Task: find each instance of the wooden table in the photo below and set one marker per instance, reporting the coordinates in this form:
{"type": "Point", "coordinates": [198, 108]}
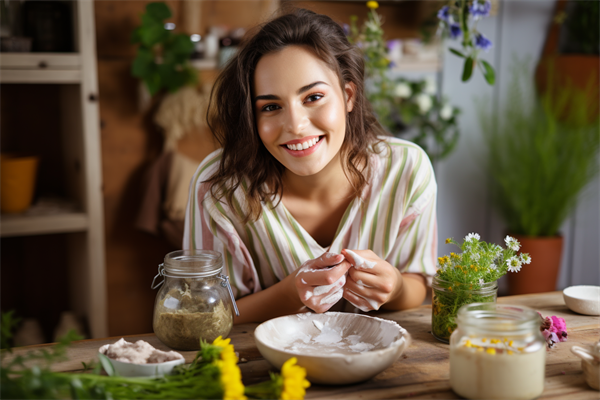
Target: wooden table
{"type": "Point", "coordinates": [422, 372]}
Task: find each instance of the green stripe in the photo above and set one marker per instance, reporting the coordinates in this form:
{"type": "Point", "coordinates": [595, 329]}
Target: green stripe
{"type": "Point", "coordinates": [252, 246]}
{"type": "Point", "coordinates": [299, 235]}
{"type": "Point", "coordinates": [193, 200]}
{"type": "Point", "coordinates": [390, 213]}
{"type": "Point", "coordinates": [344, 219]}
{"type": "Point", "coordinates": [229, 263]}
{"type": "Point", "coordinates": [374, 226]}
{"type": "Point", "coordinates": [403, 242]}
{"type": "Point", "coordinates": [273, 242]}
{"type": "Point", "coordinates": [423, 268]}
{"type": "Point", "coordinates": [364, 207]}
{"type": "Point", "coordinates": [411, 182]}
{"type": "Point", "coordinates": [421, 189]}
{"type": "Point", "coordinates": [287, 238]}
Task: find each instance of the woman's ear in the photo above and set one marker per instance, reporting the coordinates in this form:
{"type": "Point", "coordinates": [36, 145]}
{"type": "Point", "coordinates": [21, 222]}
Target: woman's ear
{"type": "Point", "coordinates": [350, 91]}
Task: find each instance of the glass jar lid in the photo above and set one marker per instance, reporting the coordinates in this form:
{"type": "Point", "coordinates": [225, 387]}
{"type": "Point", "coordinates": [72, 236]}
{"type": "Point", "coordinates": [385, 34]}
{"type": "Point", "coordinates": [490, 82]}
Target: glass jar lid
{"type": "Point", "coordinates": [497, 318]}
{"type": "Point", "coordinates": [192, 263]}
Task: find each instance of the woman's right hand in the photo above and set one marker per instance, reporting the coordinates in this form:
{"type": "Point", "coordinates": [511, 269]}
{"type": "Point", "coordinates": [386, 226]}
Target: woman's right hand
{"type": "Point", "coordinates": [320, 282]}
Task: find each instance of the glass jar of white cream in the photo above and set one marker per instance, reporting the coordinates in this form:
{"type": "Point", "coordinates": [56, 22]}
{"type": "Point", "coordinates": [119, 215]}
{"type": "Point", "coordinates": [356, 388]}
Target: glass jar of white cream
{"type": "Point", "coordinates": [195, 302]}
{"type": "Point", "coordinates": [497, 352]}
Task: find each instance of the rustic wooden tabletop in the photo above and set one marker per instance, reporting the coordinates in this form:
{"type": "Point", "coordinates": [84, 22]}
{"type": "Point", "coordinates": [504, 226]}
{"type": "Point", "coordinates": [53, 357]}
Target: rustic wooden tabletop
{"type": "Point", "coordinates": [423, 370]}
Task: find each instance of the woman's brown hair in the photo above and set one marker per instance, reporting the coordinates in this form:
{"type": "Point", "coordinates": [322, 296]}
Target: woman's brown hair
{"type": "Point", "coordinates": [231, 110]}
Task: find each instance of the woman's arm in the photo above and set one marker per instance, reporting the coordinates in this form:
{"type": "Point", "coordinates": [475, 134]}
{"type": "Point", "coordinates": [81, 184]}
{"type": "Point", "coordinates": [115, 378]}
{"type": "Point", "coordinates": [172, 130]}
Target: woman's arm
{"type": "Point", "coordinates": [412, 292]}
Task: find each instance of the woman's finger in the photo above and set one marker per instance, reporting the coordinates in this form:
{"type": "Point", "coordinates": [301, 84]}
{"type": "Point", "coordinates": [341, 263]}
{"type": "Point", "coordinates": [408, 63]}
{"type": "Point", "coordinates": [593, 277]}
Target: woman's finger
{"type": "Point", "coordinates": [360, 261]}
{"type": "Point", "coordinates": [324, 275]}
{"type": "Point", "coordinates": [360, 302]}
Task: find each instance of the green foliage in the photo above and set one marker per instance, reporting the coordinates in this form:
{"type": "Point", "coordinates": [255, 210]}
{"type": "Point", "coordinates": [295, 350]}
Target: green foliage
{"type": "Point", "coordinates": [162, 59]}
{"type": "Point", "coordinates": [408, 116]}
{"type": "Point", "coordinates": [541, 153]}
{"type": "Point", "coordinates": [583, 27]}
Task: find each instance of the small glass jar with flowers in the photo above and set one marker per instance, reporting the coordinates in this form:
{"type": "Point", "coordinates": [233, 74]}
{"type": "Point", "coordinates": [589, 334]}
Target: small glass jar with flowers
{"type": "Point", "coordinates": [470, 277]}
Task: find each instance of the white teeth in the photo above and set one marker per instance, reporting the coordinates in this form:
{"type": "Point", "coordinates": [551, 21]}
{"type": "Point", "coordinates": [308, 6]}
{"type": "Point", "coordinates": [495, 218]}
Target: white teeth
{"type": "Point", "coordinates": [303, 146]}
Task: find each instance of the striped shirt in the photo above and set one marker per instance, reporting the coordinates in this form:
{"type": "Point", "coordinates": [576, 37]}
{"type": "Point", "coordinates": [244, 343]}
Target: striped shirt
{"type": "Point", "coordinates": [394, 217]}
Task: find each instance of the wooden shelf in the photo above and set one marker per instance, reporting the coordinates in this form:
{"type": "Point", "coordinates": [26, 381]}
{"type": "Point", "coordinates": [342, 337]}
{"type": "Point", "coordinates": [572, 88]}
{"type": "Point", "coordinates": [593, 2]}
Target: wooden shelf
{"type": "Point", "coordinates": [40, 68]}
{"type": "Point", "coordinates": [23, 224]}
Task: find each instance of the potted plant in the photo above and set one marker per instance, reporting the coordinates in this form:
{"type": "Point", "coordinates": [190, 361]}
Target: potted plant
{"type": "Point", "coordinates": [539, 158]}
{"type": "Point", "coordinates": [470, 277]}
{"type": "Point", "coordinates": [572, 50]}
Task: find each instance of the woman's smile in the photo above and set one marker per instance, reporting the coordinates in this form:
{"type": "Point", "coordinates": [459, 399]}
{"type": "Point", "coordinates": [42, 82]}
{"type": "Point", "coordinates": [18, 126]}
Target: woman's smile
{"type": "Point", "coordinates": [303, 147]}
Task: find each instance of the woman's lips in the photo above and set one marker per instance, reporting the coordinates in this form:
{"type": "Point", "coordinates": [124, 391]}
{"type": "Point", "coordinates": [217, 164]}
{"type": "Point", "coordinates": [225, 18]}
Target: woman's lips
{"type": "Point", "coordinates": [305, 152]}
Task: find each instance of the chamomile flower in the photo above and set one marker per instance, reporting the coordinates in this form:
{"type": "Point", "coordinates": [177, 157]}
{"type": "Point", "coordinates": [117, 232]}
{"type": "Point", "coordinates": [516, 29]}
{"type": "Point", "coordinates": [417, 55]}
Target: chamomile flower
{"type": "Point", "coordinates": [512, 243]}
{"type": "Point", "coordinates": [481, 281]}
{"type": "Point", "coordinates": [493, 266]}
{"type": "Point", "coordinates": [525, 258]}
{"type": "Point", "coordinates": [469, 238]}
{"type": "Point", "coordinates": [514, 264]}
{"type": "Point", "coordinates": [475, 256]}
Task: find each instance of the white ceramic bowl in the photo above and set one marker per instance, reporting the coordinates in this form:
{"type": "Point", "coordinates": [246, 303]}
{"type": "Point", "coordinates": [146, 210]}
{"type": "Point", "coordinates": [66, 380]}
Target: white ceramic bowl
{"type": "Point", "coordinates": [335, 348]}
{"type": "Point", "coordinates": [139, 370]}
{"type": "Point", "coordinates": [583, 299]}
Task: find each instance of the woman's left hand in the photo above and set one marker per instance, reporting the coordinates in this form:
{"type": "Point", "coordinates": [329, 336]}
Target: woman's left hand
{"type": "Point", "coordinates": [372, 281]}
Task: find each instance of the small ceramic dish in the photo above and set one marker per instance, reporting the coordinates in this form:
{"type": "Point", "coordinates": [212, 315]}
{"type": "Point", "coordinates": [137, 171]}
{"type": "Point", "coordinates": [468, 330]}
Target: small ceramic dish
{"type": "Point", "coordinates": [136, 370]}
{"type": "Point", "coordinates": [583, 299]}
{"type": "Point", "coordinates": [335, 348]}
{"type": "Point", "coordinates": [590, 363]}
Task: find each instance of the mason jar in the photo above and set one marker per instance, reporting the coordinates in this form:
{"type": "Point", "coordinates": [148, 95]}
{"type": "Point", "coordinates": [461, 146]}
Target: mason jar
{"type": "Point", "coordinates": [497, 352]}
{"type": "Point", "coordinates": [195, 301]}
{"type": "Point", "coordinates": [448, 297]}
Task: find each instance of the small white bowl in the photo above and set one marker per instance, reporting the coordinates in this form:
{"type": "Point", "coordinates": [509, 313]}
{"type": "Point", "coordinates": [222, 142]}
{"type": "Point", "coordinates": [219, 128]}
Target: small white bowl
{"type": "Point", "coordinates": [138, 370]}
{"type": "Point", "coordinates": [583, 299]}
{"type": "Point", "coordinates": [335, 348]}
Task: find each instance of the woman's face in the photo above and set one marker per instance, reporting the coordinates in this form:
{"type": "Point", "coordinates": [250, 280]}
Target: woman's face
{"type": "Point", "coordinates": [300, 109]}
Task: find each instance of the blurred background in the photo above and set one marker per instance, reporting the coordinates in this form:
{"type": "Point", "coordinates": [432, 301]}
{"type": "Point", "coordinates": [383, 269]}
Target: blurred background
{"type": "Point", "coordinates": [102, 126]}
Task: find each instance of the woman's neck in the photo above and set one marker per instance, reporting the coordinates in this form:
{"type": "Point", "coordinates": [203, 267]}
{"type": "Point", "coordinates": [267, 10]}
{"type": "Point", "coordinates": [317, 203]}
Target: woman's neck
{"type": "Point", "coordinates": [329, 184]}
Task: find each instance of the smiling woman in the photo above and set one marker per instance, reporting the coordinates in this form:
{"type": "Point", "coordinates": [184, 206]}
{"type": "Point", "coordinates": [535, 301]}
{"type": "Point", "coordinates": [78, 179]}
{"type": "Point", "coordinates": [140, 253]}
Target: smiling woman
{"type": "Point", "coordinates": [309, 200]}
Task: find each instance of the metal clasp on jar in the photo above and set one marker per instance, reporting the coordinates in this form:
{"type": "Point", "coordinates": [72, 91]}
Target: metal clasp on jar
{"type": "Point", "coordinates": [161, 272]}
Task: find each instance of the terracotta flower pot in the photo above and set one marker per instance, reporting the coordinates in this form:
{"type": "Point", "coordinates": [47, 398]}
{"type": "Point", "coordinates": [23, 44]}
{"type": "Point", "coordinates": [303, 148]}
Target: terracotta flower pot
{"type": "Point", "coordinates": [542, 273]}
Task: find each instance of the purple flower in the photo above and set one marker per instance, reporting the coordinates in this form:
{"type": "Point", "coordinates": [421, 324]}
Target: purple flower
{"type": "Point", "coordinates": [480, 10]}
{"type": "Point", "coordinates": [482, 42]}
{"type": "Point", "coordinates": [444, 14]}
{"type": "Point", "coordinates": [455, 31]}
{"type": "Point", "coordinates": [346, 29]}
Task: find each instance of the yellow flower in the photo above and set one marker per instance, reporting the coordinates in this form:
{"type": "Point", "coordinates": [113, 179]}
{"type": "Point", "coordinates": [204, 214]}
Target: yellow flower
{"type": "Point", "coordinates": [294, 382]}
{"type": "Point", "coordinates": [491, 350]}
{"type": "Point", "coordinates": [441, 260]}
{"type": "Point", "coordinates": [231, 376]}
{"type": "Point", "coordinates": [448, 240]}
{"type": "Point", "coordinates": [372, 4]}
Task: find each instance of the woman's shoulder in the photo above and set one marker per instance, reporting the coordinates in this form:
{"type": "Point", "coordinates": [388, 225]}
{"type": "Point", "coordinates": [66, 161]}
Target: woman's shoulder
{"type": "Point", "coordinates": [209, 165]}
{"type": "Point", "coordinates": [396, 149]}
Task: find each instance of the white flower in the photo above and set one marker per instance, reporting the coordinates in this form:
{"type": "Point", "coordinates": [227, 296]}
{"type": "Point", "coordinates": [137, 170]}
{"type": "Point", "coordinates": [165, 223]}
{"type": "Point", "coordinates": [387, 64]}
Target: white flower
{"type": "Point", "coordinates": [475, 257]}
{"type": "Point", "coordinates": [402, 90]}
{"type": "Point", "coordinates": [493, 266]}
{"type": "Point", "coordinates": [481, 281]}
{"type": "Point", "coordinates": [525, 258]}
{"type": "Point", "coordinates": [469, 238]}
{"type": "Point", "coordinates": [512, 243]}
{"type": "Point", "coordinates": [430, 87]}
{"type": "Point", "coordinates": [514, 264]}
{"type": "Point", "coordinates": [446, 112]}
{"type": "Point", "coordinates": [424, 102]}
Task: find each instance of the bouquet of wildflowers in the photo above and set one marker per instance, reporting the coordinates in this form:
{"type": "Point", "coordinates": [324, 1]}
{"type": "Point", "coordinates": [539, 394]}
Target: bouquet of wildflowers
{"type": "Point", "coordinates": [214, 374]}
{"type": "Point", "coordinates": [458, 20]}
{"type": "Point", "coordinates": [470, 276]}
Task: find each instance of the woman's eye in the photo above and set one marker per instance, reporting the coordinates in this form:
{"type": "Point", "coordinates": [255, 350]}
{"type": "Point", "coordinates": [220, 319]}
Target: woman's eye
{"type": "Point", "coordinates": [269, 107]}
{"type": "Point", "coordinates": [314, 97]}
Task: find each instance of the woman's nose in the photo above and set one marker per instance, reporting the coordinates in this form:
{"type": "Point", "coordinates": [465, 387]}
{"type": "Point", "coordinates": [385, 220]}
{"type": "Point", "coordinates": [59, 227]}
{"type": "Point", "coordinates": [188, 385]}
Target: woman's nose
{"type": "Point", "coordinates": [296, 119]}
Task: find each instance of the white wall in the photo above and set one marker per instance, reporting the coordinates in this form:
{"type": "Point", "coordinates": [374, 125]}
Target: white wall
{"type": "Point", "coordinates": [464, 198]}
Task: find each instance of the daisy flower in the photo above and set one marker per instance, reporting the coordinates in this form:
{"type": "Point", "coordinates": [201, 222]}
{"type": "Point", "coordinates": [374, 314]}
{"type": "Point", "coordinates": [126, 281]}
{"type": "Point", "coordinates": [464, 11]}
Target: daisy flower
{"type": "Point", "coordinates": [512, 243]}
{"type": "Point", "coordinates": [469, 238]}
{"type": "Point", "coordinates": [514, 264]}
{"type": "Point", "coordinates": [481, 281]}
{"type": "Point", "coordinates": [525, 258]}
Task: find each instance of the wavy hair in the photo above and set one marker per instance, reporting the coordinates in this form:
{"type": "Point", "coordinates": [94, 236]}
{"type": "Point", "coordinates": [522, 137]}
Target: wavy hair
{"type": "Point", "coordinates": [231, 116]}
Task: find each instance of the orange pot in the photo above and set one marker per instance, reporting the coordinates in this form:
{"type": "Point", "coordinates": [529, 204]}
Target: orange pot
{"type": "Point", "coordinates": [17, 182]}
{"type": "Point", "coordinates": [542, 273]}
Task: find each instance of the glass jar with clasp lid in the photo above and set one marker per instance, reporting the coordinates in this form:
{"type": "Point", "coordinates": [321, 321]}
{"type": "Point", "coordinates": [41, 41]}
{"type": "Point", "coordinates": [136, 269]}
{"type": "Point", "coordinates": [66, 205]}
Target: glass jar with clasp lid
{"type": "Point", "coordinates": [497, 352]}
{"type": "Point", "coordinates": [195, 301]}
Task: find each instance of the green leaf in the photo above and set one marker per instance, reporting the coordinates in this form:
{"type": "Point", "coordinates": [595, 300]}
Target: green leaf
{"type": "Point", "coordinates": [456, 52]}
{"type": "Point", "coordinates": [181, 44]}
{"type": "Point", "coordinates": [143, 65]}
{"type": "Point", "coordinates": [153, 34]}
{"type": "Point", "coordinates": [153, 82]}
{"type": "Point", "coordinates": [159, 11]}
{"type": "Point", "coordinates": [136, 36]}
{"type": "Point", "coordinates": [467, 69]}
{"type": "Point", "coordinates": [108, 367]}
{"type": "Point", "coordinates": [488, 72]}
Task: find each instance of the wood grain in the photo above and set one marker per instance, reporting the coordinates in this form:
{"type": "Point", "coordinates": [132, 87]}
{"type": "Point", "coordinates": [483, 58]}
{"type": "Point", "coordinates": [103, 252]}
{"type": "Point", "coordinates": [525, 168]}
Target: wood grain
{"type": "Point", "coordinates": [422, 372]}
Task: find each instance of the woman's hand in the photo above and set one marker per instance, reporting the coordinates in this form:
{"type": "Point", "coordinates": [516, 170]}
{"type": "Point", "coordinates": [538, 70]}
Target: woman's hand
{"type": "Point", "coordinates": [372, 282]}
{"type": "Point", "coordinates": [320, 282]}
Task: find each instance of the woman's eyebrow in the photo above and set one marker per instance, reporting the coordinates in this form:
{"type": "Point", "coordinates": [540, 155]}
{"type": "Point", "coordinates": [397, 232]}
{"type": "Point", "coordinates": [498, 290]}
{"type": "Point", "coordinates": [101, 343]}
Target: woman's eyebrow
{"type": "Point", "coordinates": [299, 91]}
